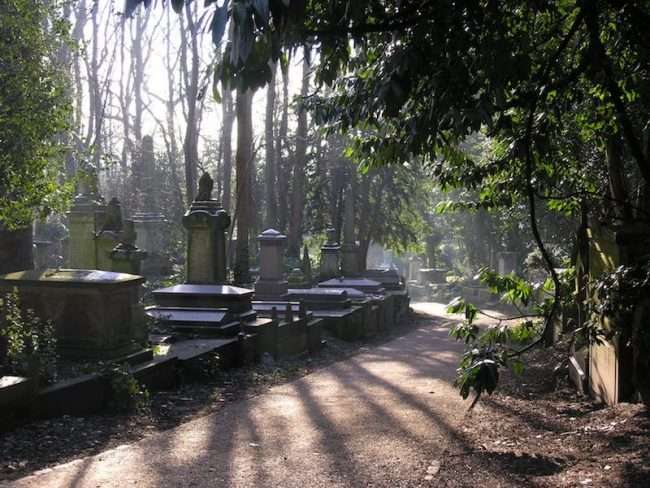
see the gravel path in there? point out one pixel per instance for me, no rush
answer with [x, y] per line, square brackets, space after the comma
[387, 417]
[381, 418]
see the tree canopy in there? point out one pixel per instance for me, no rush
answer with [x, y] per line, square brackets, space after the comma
[34, 106]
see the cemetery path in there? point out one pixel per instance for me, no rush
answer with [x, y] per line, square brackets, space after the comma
[387, 416]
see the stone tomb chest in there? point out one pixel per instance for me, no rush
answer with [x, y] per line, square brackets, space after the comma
[96, 314]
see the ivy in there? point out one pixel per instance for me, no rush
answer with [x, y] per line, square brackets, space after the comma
[27, 343]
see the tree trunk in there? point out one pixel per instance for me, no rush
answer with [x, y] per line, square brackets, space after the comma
[243, 162]
[228, 120]
[299, 171]
[271, 216]
[616, 176]
[281, 162]
[191, 140]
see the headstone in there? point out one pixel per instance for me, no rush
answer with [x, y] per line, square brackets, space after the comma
[206, 223]
[96, 314]
[350, 265]
[415, 264]
[376, 256]
[48, 238]
[150, 223]
[126, 257]
[271, 284]
[84, 220]
[433, 241]
[306, 266]
[330, 256]
[109, 235]
[611, 361]
[507, 262]
[369, 287]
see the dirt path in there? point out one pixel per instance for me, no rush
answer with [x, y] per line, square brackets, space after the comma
[380, 418]
[387, 417]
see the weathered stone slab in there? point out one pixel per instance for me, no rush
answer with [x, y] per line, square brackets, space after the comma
[233, 298]
[96, 314]
[388, 278]
[320, 298]
[362, 284]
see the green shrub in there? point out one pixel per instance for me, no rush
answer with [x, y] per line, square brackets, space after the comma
[127, 394]
[28, 343]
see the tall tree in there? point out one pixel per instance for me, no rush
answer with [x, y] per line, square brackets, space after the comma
[299, 168]
[271, 215]
[282, 153]
[34, 109]
[243, 164]
[190, 70]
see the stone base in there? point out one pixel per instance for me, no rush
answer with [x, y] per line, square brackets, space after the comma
[232, 298]
[96, 314]
[362, 284]
[270, 290]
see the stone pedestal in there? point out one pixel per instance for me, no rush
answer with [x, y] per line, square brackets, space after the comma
[152, 238]
[206, 223]
[350, 259]
[271, 284]
[43, 253]
[96, 314]
[611, 362]
[415, 264]
[83, 220]
[330, 257]
[105, 242]
[126, 259]
[507, 262]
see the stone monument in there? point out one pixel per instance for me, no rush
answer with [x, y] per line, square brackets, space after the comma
[96, 314]
[84, 220]
[126, 257]
[150, 224]
[306, 266]
[330, 256]
[271, 284]
[507, 262]
[109, 235]
[206, 223]
[350, 265]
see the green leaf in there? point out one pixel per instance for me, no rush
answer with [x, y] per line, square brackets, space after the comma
[457, 305]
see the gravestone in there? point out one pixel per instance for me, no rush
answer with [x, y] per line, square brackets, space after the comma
[306, 266]
[96, 314]
[84, 221]
[109, 235]
[350, 265]
[330, 256]
[507, 262]
[334, 307]
[271, 284]
[376, 256]
[206, 305]
[206, 222]
[126, 257]
[150, 224]
[611, 361]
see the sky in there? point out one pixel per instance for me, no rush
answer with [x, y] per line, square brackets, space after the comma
[109, 18]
